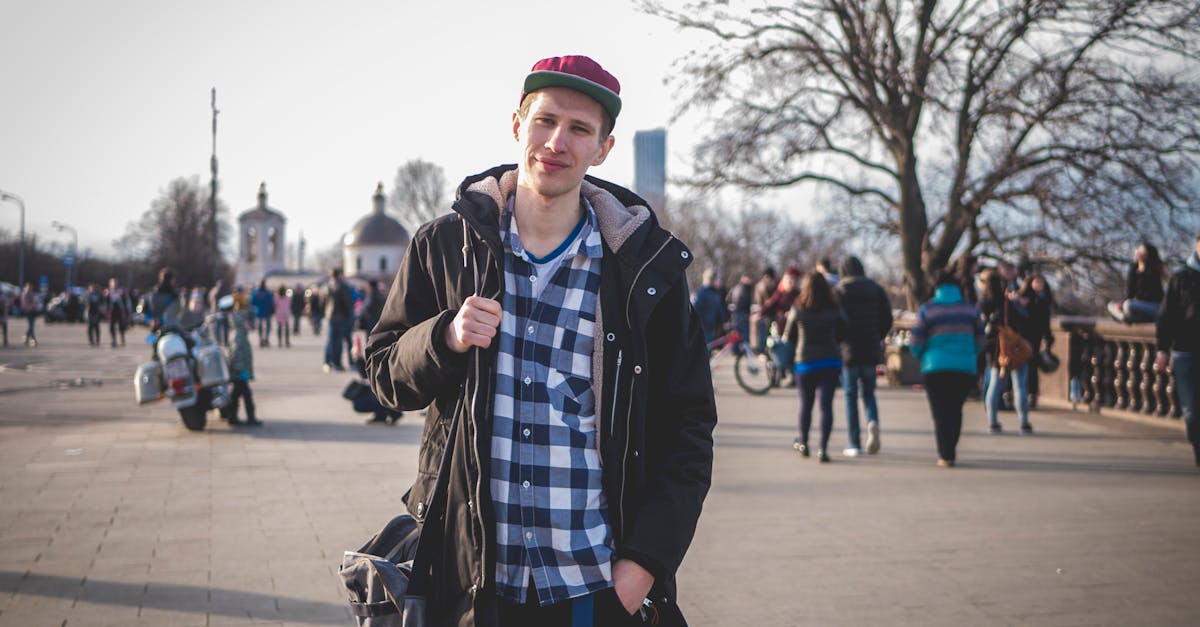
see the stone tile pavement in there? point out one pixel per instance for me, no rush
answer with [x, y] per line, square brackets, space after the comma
[113, 514]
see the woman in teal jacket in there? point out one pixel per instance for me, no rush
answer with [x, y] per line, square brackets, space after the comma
[947, 337]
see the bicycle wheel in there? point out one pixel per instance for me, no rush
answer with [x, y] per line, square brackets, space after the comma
[755, 372]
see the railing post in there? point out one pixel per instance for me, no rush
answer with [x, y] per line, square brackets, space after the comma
[1121, 376]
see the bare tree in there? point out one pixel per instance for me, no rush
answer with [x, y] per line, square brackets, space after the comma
[419, 192]
[744, 240]
[174, 232]
[1049, 125]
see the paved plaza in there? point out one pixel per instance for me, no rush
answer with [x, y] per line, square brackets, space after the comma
[113, 514]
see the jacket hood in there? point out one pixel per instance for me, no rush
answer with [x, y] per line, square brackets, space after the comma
[619, 211]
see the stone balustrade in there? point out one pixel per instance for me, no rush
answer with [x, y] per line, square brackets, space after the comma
[1110, 366]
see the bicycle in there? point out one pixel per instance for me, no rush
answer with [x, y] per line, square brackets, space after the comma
[755, 371]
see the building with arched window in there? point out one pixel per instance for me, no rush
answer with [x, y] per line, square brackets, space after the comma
[375, 245]
[262, 242]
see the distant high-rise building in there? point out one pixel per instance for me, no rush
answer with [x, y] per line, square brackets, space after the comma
[650, 167]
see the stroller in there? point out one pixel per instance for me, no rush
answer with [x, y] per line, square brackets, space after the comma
[358, 391]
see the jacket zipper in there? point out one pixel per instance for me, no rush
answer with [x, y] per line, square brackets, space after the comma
[616, 392]
[468, 250]
[632, 382]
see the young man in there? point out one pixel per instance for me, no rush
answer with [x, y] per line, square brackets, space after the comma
[550, 314]
[1178, 320]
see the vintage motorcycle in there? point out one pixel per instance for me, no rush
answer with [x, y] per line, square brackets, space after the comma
[189, 370]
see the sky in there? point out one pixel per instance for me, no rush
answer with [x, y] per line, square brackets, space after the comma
[103, 103]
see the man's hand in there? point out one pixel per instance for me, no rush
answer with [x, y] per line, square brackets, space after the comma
[474, 325]
[1160, 362]
[632, 584]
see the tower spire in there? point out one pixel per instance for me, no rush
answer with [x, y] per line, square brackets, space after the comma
[212, 196]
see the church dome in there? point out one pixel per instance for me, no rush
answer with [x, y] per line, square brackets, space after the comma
[377, 228]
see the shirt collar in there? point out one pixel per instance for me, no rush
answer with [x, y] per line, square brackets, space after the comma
[588, 241]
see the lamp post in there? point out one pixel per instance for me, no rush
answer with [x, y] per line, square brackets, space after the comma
[70, 258]
[21, 249]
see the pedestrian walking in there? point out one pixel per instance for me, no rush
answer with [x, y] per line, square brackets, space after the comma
[1041, 307]
[262, 303]
[710, 306]
[296, 294]
[1178, 340]
[868, 320]
[549, 317]
[775, 311]
[816, 326]
[94, 310]
[316, 310]
[31, 304]
[763, 289]
[1143, 287]
[946, 337]
[1007, 311]
[741, 301]
[283, 318]
[339, 310]
[120, 311]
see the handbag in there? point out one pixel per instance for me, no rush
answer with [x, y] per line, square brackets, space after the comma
[1015, 350]
[388, 577]
[354, 389]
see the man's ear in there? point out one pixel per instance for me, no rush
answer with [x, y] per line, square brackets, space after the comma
[516, 127]
[605, 146]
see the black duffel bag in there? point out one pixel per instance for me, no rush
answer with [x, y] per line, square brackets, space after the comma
[388, 577]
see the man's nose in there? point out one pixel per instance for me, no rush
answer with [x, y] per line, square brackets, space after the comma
[556, 140]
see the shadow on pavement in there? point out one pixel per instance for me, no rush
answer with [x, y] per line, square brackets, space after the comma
[174, 597]
[352, 431]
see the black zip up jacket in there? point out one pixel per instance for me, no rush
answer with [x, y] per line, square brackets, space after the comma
[1178, 327]
[654, 398]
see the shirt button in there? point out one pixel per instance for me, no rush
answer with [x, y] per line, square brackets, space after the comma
[526, 432]
[684, 254]
[528, 380]
[532, 278]
[530, 328]
[637, 370]
[652, 291]
[525, 483]
[611, 336]
[528, 535]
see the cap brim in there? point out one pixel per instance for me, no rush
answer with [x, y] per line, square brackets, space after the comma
[606, 97]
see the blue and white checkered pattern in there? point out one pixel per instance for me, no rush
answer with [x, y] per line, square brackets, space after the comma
[551, 514]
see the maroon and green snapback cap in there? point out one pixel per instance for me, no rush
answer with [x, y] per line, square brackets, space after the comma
[579, 73]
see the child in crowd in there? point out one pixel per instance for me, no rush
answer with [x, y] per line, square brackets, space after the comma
[241, 365]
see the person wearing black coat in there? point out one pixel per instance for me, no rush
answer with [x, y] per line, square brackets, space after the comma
[1178, 340]
[640, 378]
[869, 318]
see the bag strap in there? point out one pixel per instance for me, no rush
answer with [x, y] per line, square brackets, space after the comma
[419, 584]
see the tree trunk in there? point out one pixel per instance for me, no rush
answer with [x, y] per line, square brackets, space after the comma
[914, 230]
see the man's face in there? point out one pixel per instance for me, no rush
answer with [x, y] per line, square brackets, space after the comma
[560, 140]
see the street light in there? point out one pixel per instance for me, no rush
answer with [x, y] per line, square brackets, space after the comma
[21, 254]
[69, 261]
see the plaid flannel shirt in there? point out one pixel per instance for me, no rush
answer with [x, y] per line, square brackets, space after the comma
[551, 514]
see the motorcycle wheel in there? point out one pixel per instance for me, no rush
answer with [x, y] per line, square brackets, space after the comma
[196, 416]
[755, 373]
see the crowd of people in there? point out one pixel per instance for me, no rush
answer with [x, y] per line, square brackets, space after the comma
[985, 333]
